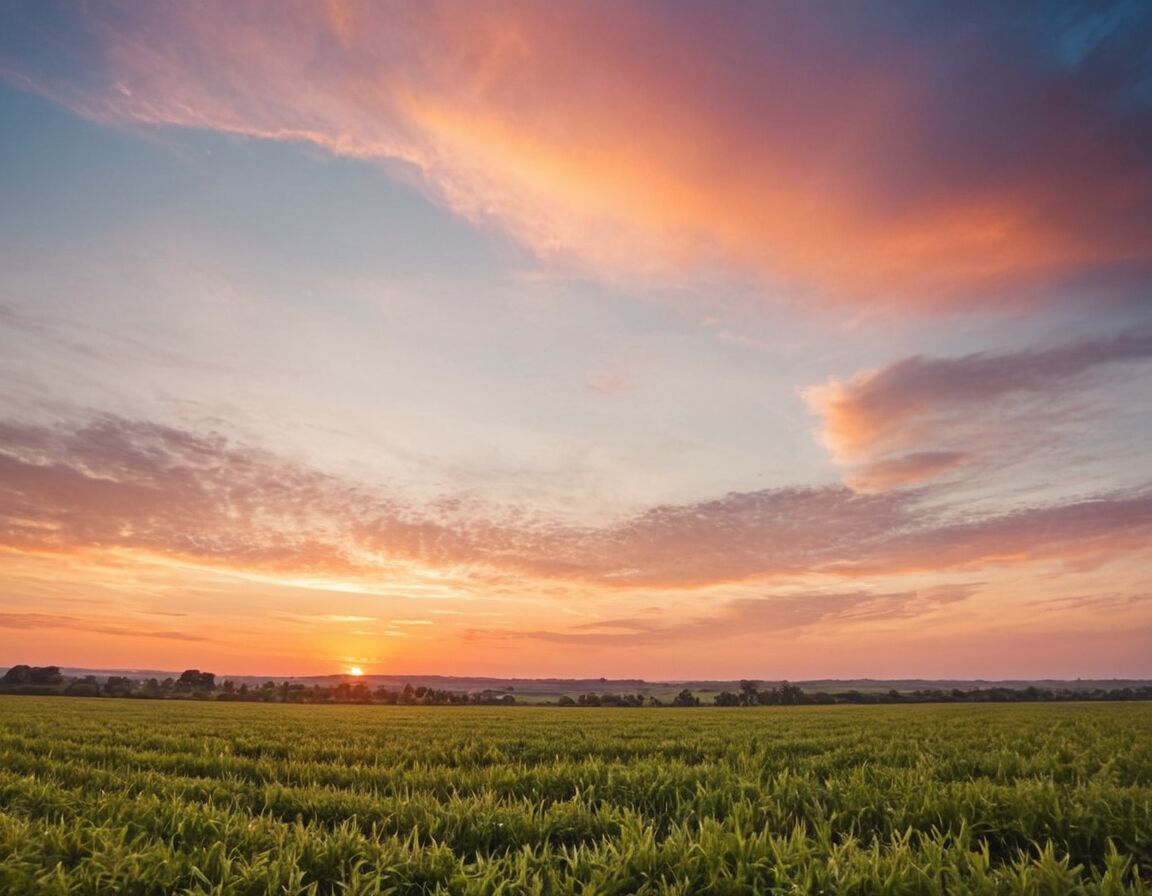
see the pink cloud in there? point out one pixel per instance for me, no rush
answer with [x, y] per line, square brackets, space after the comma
[1083, 533]
[906, 167]
[924, 417]
[908, 469]
[609, 382]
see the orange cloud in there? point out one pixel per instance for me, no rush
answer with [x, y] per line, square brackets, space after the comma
[651, 139]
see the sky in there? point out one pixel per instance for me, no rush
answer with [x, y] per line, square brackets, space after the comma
[660, 339]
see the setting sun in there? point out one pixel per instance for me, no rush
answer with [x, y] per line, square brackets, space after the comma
[356, 670]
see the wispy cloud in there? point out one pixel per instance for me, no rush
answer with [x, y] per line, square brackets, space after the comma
[339, 618]
[923, 417]
[907, 469]
[753, 617]
[1079, 533]
[609, 382]
[1110, 602]
[903, 168]
[92, 625]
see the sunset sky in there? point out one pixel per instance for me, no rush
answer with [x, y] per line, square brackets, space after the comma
[664, 340]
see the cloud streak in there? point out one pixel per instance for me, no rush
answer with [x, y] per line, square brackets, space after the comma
[902, 169]
[27, 621]
[754, 617]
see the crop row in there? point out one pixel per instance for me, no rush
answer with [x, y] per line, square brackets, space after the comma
[202, 798]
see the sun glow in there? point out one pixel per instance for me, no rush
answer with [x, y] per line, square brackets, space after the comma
[356, 670]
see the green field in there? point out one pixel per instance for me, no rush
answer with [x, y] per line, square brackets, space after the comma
[143, 797]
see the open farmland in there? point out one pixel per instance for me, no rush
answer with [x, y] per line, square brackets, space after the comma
[139, 797]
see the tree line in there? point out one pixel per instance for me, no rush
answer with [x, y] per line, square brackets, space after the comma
[194, 684]
[751, 693]
[198, 685]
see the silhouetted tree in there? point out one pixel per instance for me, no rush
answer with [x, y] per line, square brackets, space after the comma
[118, 686]
[87, 686]
[18, 674]
[23, 674]
[195, 681]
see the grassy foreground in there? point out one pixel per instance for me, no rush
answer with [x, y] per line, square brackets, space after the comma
[142, 797]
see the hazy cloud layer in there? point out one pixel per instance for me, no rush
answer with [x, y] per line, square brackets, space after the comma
[925, 156]
[117, 487]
